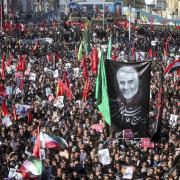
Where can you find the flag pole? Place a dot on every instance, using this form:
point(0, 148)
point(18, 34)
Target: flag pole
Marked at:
point(129, 31)
point(103, 15)
point(2, 15)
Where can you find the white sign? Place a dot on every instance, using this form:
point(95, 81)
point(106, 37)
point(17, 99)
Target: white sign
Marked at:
point(9, 90)
point(55, 74)
point(6, 121)
point(32, 77)
point(22, 110)
point(59, 102)
point(67, 65)
point(173, 120)
point(48, 91)
point(128, 172)
point(76, 72)
point(153, 43)
point(140, 56)
point(104, 157)
point(12, 173)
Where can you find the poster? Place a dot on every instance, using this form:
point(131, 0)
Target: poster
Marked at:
point(6, 121)
point(97, 127)
point(22, 109)
point(173, 120)
point(59, 102)
point(127, 134)
point(104, 157)
point(129, 91)
point(32, 77)
point(48, 91)
point(127, 172)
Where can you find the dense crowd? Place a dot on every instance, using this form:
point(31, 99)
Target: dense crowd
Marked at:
point(74, 120)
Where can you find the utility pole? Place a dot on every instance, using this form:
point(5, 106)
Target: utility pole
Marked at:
point(2, 13)
point(103, 15)
point(129, 31)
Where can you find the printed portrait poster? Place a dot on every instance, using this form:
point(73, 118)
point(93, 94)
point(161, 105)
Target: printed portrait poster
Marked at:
point(129, 91)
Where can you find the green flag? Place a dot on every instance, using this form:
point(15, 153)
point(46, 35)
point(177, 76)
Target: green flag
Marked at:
point(101, 91)
point(109, 48)
point(87, 41)
point(80, 52)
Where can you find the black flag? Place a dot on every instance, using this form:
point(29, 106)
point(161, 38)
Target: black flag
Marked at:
point(129, 91)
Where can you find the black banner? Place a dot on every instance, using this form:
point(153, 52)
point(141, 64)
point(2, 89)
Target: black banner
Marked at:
point(128, 90)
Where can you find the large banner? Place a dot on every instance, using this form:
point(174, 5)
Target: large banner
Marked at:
point(129, 91)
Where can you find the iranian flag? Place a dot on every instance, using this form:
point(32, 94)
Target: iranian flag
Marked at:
point(51, 141)
point(33, 165)
point(173, 66)
point(31, 168)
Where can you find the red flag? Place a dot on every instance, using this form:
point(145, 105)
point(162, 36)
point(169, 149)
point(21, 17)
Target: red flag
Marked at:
point(126, 24)
point(83, 64)
point(36, 46)
point(85, 72)
point(18, 67)
point(57, 57)
point(68, 92)
point(60, 88)
point(4, 109)
point(54, 24)
point(86, 89)
point(94, 61)
point(165, 49)
point(2, 90)
point(159, 106)
point(14, 113)
point(114, 57)
point(133, 53)
point(9, 60)
point(66, 80)
point(150, 53)
point(175, 65)
point(3, 67)
point(21, 86)
point(37, 146)
point(21, 65)
point(22, 27)
point(43, 24)
point(49, 57)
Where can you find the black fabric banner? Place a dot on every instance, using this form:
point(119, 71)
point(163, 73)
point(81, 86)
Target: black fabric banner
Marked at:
point(129, 91)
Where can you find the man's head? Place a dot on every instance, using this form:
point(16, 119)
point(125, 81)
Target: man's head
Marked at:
point(128, 81)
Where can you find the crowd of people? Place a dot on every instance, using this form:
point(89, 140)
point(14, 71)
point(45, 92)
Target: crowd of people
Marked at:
point(34, 85)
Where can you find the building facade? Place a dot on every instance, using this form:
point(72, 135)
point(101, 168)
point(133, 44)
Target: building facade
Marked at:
point(173, 9)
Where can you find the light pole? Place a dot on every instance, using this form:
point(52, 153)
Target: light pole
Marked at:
point(2, 14)
point(129, 31)
point(103, 15)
